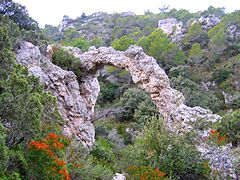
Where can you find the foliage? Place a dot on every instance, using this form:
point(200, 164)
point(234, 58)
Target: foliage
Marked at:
point(196, 54)
point(102, 152)
point(123, 43)
point(71, 33)
point(83, 165)
point(7, 57)
point(195, 34)
point(4, 151)
point(217, 138)
point(12, 30)
point(230, 125)
point(144, 172)
point(130, 101)
point(66, 61)
point(81, 43)
point(97, 42)
point(195, 95)
point(181, 15)
point(220, 75)
point(172, 154)
point(18, 14)
point(179, 71)
point(108, 93)
point(52, 33)
point(24, 109)
point(218, 12)
point(159, 46)
point(217, 38)
point(46, 158)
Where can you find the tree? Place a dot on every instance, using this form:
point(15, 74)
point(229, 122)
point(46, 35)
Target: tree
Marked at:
point(196, 54)
point(161, 48)
point(71, 33)
point(123, 43)
point(66, 61)
point(217, 40)
point(52, 33)
point(97, 42)
point(81, 43)
point(18, 14)
point(195, 35)
point(7, 57)
point(218, 12)
point(24, 110)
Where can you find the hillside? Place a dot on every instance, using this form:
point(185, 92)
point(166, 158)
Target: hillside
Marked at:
point(161, 100)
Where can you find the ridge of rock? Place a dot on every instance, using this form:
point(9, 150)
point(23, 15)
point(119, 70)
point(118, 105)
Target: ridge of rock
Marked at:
point(76, 101)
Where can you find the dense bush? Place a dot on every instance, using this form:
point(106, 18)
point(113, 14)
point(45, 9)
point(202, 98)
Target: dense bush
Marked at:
point(172, 154)
point(108, 93)
point(230, 126)
point(25, 110)
point(158, 45)
point(66, 61)
point(123, 43)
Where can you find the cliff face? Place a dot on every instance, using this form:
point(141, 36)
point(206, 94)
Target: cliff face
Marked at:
point(76, 101)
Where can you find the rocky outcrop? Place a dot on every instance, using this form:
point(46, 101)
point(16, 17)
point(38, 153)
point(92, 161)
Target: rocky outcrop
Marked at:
point(119, 176)
point(233, 34)
point(76, 101)
point(96, 25)
point(208, 22)
point(65, 87)
point(173, 28)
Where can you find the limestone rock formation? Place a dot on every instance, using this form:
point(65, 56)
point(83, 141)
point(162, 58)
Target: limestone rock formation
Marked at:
point(173, 28)
point(233, 34)
point(76, 101)
point(208, 22)
point(64, 86)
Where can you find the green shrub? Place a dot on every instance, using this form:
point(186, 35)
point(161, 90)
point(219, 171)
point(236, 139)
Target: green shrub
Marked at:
point(220, 75)
point(130, 101)
point(108, 93)
point(173, 154)
point(123, 43)
point(81, 43)
point(102, 152)
point(66, 61)
point(83, 165)
point(230, 126)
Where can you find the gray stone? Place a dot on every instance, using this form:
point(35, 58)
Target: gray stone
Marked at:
point(208, 22)
point(173, 28)
point(119, 176)
point(77, 101)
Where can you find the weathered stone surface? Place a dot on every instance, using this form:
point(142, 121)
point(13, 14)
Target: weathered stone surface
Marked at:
point(230, 98)
point(64, 86)
point(173, 28)
point(208, 22)
point(233, 34)
point(220, 158)
point(113, 136)
point(76, 102)
point(119, 176)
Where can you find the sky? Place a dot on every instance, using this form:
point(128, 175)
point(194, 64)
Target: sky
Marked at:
point(52, 11)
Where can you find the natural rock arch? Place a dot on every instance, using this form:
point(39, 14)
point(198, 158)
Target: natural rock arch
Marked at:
point(76, 101)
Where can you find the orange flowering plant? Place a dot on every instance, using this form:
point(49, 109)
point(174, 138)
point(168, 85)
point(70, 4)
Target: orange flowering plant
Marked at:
point(217, 138)
point(46, 158)
point(145, 173)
